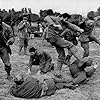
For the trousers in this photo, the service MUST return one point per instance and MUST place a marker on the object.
(5, 58)
(82, 75)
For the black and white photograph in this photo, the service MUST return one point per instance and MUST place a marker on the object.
(49, 49)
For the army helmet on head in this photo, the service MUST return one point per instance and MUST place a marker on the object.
(65, 15)
(49, 12)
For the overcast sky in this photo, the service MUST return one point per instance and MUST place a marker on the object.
(70, 6)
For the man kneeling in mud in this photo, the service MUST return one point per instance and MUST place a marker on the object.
(36, 87)
(41, 58)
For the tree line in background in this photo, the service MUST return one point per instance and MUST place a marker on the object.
(13, 17)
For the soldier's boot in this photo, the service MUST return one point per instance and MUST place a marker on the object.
(58, 68)
(8, 69)
(25, 50)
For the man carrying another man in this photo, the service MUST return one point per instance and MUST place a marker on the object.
(53, 31)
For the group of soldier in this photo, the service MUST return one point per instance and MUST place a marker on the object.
(61, 34)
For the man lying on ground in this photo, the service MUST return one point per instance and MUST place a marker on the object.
(78, 72)
(34, 87)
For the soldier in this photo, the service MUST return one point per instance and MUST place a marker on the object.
(52, 36)
(36, 87)
(24, 30)
(87, 36)
(41, 58)
(69, 35)
(6, 39)
(78, 72)
(69, 32)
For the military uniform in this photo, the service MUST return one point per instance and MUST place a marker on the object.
(43, 59)
(34, 88)
(24, 29)
(6, 39)
(53, 36)
(70, 34)
(77, 70)
(87, 37)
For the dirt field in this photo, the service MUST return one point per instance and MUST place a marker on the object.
(89, 91)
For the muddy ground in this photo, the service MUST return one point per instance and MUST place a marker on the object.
(89, 91)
